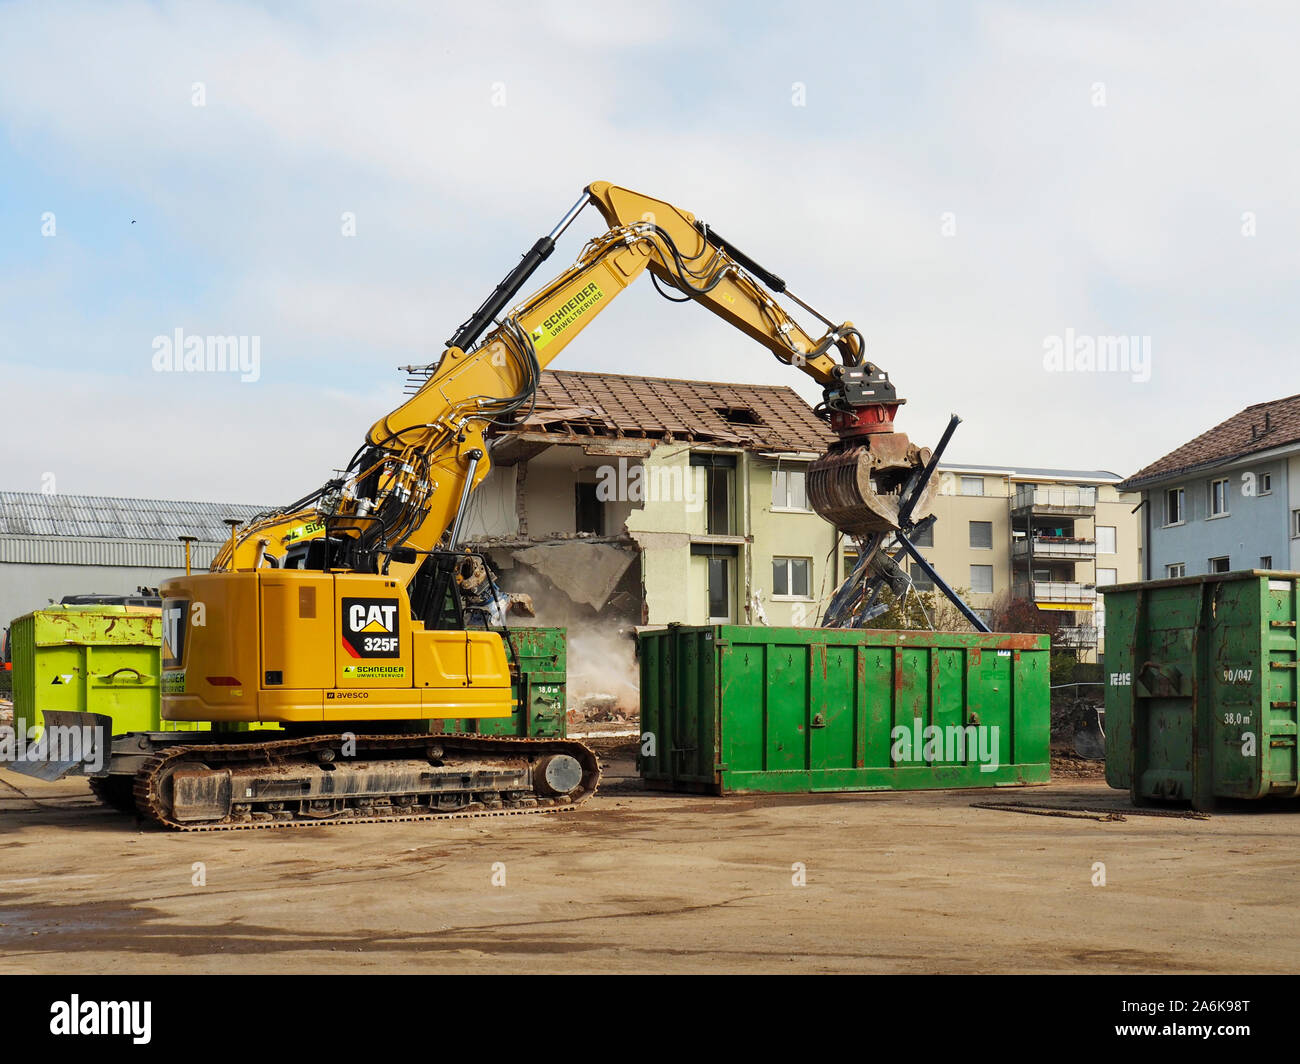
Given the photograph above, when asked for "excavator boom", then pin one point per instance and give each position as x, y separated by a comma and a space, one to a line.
402, 491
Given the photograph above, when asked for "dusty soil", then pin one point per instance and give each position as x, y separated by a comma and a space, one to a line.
900, 882
1066, 764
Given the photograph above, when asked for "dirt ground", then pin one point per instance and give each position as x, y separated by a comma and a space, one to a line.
638, 881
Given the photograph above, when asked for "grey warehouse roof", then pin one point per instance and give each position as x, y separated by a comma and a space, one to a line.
25, 513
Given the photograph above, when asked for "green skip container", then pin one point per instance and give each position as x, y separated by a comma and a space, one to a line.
1201, 687
730, 709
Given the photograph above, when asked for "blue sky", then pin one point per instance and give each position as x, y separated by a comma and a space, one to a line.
1123, 218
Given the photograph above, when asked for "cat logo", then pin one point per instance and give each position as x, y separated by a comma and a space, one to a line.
371, 628
175, 618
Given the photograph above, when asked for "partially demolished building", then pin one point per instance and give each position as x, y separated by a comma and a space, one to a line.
646, 500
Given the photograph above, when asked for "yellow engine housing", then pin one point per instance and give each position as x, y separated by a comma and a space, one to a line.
289, 645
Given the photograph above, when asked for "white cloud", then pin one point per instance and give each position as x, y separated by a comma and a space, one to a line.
1123, 219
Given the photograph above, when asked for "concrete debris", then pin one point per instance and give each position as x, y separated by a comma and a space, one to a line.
586, 572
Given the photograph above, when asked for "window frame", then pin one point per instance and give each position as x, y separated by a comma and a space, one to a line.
920, 581
1225, 512
783, 472
1227, 564
971, 494
992, 580
1180, 566
970, 535
1262, 479
1182, 507
789, 578
1114, 538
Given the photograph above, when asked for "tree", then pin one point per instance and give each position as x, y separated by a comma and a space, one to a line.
1013, 613
919, 611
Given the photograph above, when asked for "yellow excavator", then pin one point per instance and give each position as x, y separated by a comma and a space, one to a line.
354, 619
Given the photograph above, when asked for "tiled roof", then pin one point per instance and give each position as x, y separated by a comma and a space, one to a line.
572, 405
1261, 427
25, 513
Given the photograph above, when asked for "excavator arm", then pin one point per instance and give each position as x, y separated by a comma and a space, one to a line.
407, 485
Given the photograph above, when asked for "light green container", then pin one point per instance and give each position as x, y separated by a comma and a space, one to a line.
733, 708
1201, 687
90, 659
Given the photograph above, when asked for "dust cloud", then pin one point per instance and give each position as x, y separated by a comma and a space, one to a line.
603, 674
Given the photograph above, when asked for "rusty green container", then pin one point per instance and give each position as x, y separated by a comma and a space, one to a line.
1201, 687
734, 709
90, 659
539, 677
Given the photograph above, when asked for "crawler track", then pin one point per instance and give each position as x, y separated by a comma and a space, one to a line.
153, 783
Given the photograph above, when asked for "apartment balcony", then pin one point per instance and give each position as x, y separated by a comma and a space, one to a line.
1054, 547
1057, 502
1057, 591
1076, 637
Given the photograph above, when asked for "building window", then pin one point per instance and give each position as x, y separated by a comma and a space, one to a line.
1175, 570
981, 535
719, 472
981, 579
1105, 539
924, 537
1218, 565
1175, 498
788, 489
1218, 497
791, 577
920, 579
589, 515
1295, 524
719, 590
1265, 484
972, 485
1266, 561
1106, 577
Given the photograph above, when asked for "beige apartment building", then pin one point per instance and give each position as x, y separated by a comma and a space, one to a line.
1050, 536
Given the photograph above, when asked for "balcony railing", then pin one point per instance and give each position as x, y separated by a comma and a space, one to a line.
1055, 500
1076, 636
1054, 547
1056, 591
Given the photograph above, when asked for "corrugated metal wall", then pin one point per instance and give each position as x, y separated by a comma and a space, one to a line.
56, 545
67, 550
29, 513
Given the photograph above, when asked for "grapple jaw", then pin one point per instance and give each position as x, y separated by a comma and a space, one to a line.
860, 483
